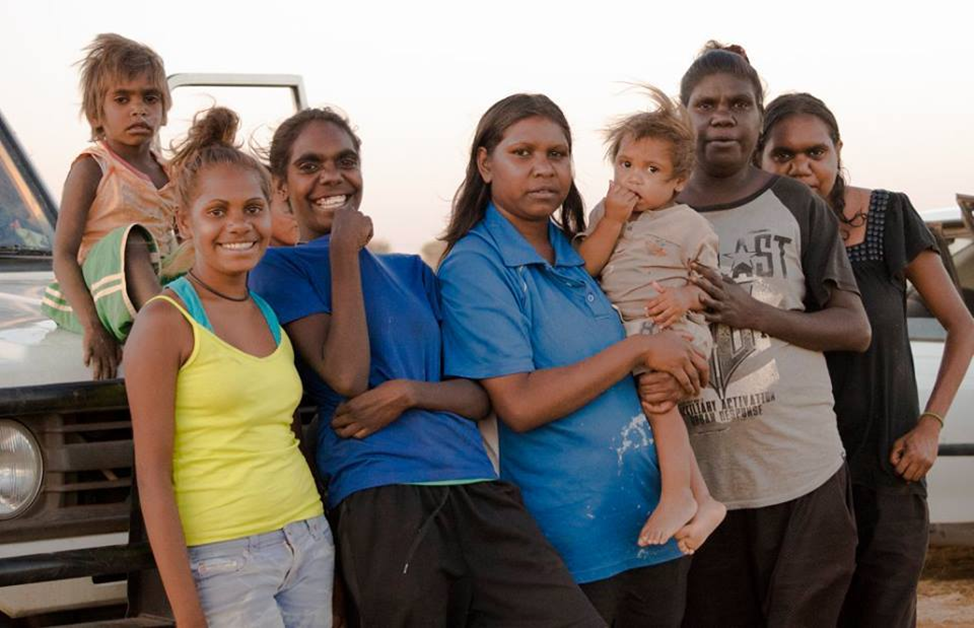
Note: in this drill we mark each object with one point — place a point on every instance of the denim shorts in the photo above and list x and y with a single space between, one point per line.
276 579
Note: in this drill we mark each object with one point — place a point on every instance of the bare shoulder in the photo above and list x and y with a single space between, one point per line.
160 329
80 189
84 173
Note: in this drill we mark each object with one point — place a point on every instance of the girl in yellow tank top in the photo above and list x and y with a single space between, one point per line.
232 511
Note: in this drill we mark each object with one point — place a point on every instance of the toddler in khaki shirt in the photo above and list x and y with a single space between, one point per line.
642 244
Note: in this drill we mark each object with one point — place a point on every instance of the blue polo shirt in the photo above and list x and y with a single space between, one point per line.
402 313
591 478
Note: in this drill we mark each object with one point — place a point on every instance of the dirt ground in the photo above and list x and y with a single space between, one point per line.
946 594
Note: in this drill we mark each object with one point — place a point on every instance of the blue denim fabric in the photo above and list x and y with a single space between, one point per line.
276 579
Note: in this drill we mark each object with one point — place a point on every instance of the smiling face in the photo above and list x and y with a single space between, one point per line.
229 220
132 111
530 170
645 167
800 147
323 174
727 121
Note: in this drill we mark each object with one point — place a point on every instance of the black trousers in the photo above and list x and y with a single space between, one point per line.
893 536
782 566
645 597
461 555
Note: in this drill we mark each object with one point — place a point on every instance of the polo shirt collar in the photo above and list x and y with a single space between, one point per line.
516 251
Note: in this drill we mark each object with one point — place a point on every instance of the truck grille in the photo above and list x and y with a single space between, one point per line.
88 462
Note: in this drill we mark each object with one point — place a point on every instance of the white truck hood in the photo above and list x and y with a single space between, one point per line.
33 351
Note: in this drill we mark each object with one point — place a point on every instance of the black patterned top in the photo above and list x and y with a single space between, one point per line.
875 392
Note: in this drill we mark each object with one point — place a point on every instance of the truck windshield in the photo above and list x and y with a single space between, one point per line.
23 225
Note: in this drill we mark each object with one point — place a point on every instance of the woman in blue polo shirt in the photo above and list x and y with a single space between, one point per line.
522 316
426 535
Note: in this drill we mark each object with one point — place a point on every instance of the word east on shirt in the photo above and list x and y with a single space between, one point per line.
764 431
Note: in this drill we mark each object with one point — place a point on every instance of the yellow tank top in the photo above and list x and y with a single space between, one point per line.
237 469
126 196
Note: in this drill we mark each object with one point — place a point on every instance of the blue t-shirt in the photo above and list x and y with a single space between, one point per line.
402 314
591 478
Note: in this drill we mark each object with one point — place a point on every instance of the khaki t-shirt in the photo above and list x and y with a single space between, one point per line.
657 246
764 431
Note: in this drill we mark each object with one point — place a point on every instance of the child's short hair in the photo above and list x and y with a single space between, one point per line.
669 121
108 58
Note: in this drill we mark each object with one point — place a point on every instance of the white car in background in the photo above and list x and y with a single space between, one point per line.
950 483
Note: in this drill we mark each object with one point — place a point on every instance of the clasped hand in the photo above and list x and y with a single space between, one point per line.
725 301
366 414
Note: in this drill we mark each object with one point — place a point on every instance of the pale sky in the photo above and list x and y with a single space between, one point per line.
416 76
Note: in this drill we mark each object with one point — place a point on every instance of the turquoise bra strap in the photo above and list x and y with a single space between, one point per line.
269 316
187 293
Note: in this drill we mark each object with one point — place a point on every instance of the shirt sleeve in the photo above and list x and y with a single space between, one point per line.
708 245
485 330
286 285
593 220
906 235
431 286
825 262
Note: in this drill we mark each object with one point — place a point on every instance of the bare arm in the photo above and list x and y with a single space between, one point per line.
596 249
525 401
336 345
158 345
369 412
841 325
915 452
100 350
928 274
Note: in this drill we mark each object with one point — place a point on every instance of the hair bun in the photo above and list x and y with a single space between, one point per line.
213 127
216 125
737 49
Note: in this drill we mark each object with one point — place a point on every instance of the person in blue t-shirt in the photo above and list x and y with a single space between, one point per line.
522 316
427 535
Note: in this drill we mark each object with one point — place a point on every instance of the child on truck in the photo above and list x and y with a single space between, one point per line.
641 244
118 205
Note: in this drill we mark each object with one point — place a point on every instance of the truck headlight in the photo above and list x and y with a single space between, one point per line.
21 469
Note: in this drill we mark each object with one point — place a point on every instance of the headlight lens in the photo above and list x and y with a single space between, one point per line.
21 469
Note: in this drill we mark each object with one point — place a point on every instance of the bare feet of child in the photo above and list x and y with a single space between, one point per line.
690 537
670 515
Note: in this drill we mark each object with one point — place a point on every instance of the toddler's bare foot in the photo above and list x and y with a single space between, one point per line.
710 513
670 515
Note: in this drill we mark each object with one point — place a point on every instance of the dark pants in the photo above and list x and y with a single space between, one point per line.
463 555
787 565
893 535
645 597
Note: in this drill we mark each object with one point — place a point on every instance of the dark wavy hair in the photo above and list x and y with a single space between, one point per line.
788 105
718 58
473 195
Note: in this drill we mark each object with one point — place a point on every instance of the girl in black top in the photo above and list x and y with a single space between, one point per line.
890 444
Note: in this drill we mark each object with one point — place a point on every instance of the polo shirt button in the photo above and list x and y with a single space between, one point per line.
590 298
